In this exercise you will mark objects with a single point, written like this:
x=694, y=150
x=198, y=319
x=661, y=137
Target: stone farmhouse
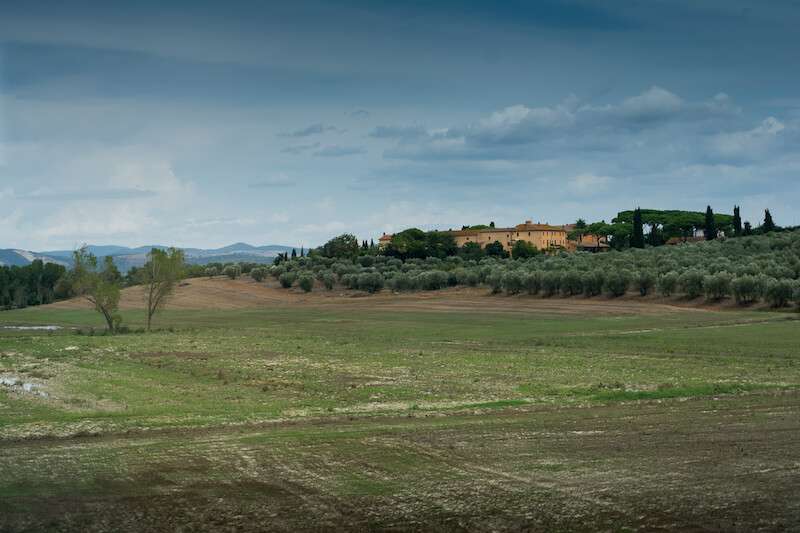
x=542, y=236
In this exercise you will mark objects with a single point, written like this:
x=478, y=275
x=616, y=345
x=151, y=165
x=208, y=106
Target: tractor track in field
x=726, y=464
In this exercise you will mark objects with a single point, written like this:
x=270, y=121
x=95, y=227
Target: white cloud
x=749, y=143
x=652, y=104
x=588, y=184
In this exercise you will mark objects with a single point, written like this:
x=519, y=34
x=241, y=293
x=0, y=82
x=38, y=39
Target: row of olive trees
x=101, y=285
x=748, y=269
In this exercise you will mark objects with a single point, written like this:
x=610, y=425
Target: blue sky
x=205, y=123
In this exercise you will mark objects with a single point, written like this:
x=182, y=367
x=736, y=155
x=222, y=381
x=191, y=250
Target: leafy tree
x=513, y=282
x=287, y=279
x=370, y=282
x=644, y=281
x=691, y=283
x=592, y=282
x=768, y=225
x=778, y=292
x=162, y=272
x=533, y=282
x=491, y=224
x=328, y=279
x=232, y=271
x=746, y=289
x=305, y=282
x=100, y=288
x=551, y=282
x=523, y=250
x=571, y=283
x=710, y=225
x=408, y=244
x=211, y=272
x=471, y=251
x=637, y=236
x=667, y=283
x=616, y=282
x=748, y=229
x=495, y=249
x=258, y=274
x=717, y=286
x=344, y=246
x=495, y=280
x=737, y=222
x=439, y=244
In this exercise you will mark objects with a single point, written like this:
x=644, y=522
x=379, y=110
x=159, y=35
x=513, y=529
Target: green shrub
x=495, y=281
x=551, y=282
x=366, y=261
x=691, y=283
x=258, y=274
x=746, y=289
x=287, y=279
x=513, y=282
x=644, y=281
x=232, y=271
x=350, y=280
x=211, y=272
x=779, y=292
x=276, y=271
x=533, y=282
x=328, y=279
x=592, y=282
x=305, y=282
x=432, y=280
x=717, y=286
x=370, y=282
x=616, y=282
x=402, y=282
x=571, y=283
x=667, y=283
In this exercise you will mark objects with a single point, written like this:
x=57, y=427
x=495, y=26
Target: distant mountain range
x=125, y=257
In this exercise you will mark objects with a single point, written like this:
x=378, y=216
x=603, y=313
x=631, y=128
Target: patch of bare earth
x=244, y=293
x=725, y=464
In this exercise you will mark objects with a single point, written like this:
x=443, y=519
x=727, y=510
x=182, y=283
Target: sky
x=205, y=123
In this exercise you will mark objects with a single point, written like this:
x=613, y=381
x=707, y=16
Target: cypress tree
x=748, y=229
x=737, y=221
x=294, y=253
x=769, y=225
x=371, y=244
x=637, y=236
x=302, y=251
x=710, y=229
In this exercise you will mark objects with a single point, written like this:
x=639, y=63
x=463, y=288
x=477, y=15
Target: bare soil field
x=244, y=293
x=721, y=464
x=254, y=408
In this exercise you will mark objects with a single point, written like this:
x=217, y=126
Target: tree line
x=33, y=284
x=764, y=267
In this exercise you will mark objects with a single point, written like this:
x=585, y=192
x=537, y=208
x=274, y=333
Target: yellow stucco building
x=542, y=236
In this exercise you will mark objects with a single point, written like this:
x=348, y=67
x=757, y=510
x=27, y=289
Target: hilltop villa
x=542, y=236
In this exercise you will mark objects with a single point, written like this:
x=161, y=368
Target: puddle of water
x=17, y=384
x=27, y=328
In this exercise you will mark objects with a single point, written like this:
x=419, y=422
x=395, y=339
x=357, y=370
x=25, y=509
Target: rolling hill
x=125, y=257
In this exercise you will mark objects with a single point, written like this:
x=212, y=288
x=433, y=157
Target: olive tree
x=162, y=272
x=100, y=287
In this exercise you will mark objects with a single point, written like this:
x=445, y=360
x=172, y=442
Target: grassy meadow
x=408, y=419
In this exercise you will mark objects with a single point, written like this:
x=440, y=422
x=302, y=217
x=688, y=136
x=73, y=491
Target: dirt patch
x=244, y=293
x=701, y=465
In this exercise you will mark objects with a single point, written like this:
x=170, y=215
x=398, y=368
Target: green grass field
x=309, y=418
